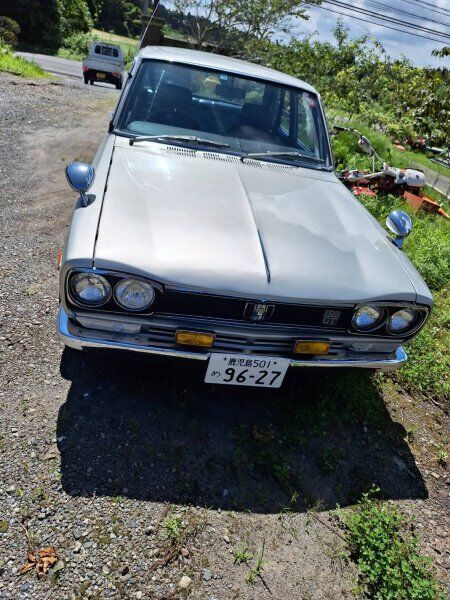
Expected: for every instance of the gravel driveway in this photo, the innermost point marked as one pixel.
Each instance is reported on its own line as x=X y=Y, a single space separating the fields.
x=145 y=481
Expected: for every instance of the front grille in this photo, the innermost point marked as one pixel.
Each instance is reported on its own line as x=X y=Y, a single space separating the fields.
x=232 y=343
x=219 y=307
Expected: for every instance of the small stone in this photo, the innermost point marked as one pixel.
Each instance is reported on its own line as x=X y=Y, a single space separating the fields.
x=184 y=552
x=435 y=475
x=185 y=582
x=52 y=452
x=139 y=595
x=207 y=575
x=76 y=533
x=77 y=548
x=105 y=570
x=226 y=539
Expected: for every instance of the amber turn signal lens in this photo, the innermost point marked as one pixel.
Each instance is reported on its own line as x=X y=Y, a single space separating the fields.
x=302 y=347
x=193 y=338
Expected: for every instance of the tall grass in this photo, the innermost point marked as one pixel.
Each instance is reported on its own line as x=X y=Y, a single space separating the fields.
x=18 y=65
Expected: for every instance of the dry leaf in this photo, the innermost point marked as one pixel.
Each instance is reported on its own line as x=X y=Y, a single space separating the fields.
x=42 y=562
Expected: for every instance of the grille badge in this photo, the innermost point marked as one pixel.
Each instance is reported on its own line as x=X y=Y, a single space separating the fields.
x=331 y=317
x=258 y=312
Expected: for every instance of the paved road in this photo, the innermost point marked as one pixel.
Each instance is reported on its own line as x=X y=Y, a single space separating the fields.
x=55 y=64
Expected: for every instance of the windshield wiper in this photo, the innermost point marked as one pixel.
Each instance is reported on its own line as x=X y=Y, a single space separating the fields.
x=287 y=155
x=178 y=138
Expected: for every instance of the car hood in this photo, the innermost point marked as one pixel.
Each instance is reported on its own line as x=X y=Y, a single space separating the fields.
x=206 y=221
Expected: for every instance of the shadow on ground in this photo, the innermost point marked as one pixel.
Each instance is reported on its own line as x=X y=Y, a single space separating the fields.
x=156 y=432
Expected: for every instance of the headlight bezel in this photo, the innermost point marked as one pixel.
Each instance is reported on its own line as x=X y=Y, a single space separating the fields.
x=111 y=306
x=127 y=308
x=76 y=297
x=410 y=327
x=381 y=329
x=377 y=324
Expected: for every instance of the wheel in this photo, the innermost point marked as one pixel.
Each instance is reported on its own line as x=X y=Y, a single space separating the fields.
x=119 y=86
x=86 y=79
x=91 y=82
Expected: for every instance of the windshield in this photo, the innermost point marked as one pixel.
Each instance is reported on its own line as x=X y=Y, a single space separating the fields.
x=247 y=115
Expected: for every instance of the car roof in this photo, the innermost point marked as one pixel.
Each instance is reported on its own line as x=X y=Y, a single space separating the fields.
x=223 y=63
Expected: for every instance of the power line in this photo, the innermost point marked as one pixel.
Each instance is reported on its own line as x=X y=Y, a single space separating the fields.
x=337 y=12
x=382 y=17
x=399 y=11
x=429 y=6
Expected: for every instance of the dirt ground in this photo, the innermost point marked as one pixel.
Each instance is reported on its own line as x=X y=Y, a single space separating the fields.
x=137 y=472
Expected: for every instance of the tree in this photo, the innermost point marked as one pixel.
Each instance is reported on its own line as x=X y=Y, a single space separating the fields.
x=221 y=22
x=39 y=20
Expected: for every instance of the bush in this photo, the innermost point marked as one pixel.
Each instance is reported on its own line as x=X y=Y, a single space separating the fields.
x=387 y=553
x=9 y=31
x=78 y=43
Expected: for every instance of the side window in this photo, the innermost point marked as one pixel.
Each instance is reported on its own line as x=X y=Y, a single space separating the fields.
x=115 y=53
x=106 y=51
x=97 y=50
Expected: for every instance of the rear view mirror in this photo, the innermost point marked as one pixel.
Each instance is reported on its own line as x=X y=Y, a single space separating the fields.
x=80 y=177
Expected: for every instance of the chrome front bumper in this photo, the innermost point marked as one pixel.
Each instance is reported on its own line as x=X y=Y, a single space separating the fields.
x=71 y=337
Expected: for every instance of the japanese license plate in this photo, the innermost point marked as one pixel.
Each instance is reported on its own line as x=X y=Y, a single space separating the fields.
x=101 y=76
x=259 y=371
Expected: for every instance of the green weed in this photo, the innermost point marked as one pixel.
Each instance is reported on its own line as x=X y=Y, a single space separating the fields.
x=256 y=570
x=242 y=555
x=442 y=457
x=387 y=553
x=174 y=527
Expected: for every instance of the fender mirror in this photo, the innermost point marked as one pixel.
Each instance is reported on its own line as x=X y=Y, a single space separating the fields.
x=400 y=224
x=80 y=177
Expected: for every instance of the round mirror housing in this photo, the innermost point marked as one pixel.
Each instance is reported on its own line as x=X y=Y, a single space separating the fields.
x=80 y=177
x=400 y=224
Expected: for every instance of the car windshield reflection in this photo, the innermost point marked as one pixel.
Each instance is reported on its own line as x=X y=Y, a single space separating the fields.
x=237 y=114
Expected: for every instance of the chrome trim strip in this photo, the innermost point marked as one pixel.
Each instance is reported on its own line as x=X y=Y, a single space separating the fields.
x=82 y=342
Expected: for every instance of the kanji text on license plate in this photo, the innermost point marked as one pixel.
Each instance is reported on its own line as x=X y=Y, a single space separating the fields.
x=259 y=371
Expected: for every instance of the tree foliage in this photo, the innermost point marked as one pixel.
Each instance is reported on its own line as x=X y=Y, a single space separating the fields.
x=357 y=76
x=235 y=22
x=47 y=22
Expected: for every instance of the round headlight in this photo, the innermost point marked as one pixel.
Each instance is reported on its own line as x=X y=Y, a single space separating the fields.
x=367 y=317
x=133 y=294
x=401 y=320
x=90 y=289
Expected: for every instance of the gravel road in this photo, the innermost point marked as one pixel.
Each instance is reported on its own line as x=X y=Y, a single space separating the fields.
x=143 y=479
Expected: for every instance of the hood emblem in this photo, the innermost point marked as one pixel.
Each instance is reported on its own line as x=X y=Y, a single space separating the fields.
x=255 y=311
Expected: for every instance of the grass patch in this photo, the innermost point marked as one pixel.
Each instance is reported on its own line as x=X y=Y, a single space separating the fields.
x=18 y=65
x=387 y=553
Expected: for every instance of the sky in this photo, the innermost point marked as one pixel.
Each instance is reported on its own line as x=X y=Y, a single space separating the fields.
x=417 y=49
